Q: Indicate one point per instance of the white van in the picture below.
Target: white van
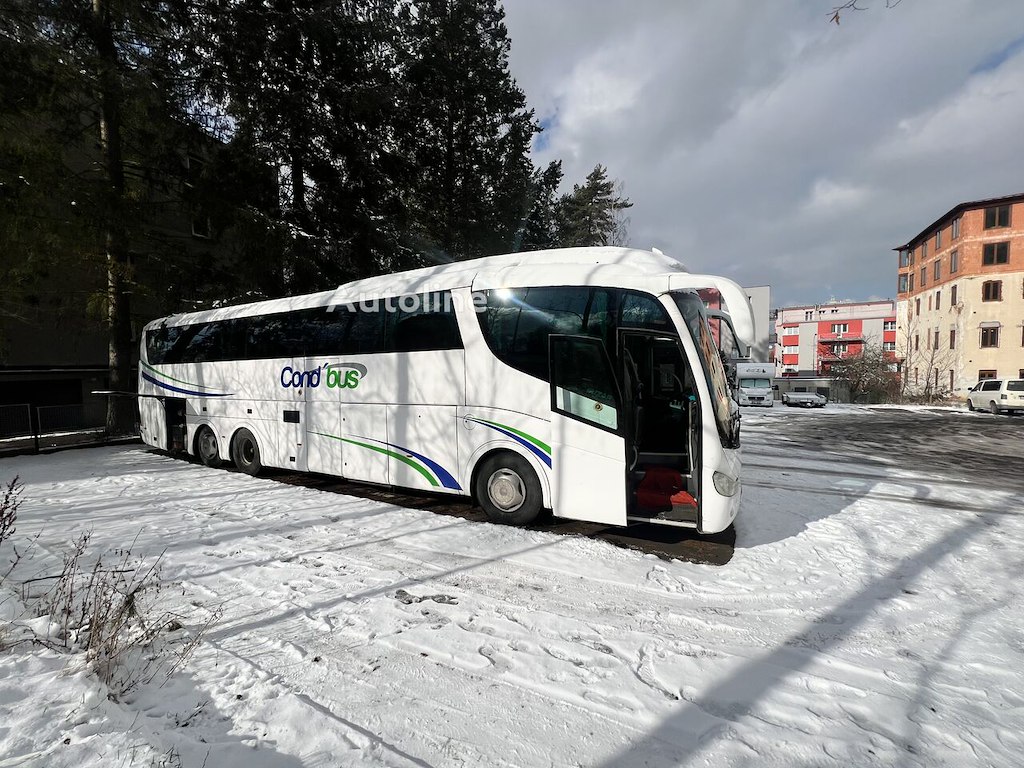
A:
(997, 395)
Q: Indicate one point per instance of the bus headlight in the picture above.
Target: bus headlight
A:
(725, 485)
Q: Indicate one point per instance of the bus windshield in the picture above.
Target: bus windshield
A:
(755, 383)
(691, 307)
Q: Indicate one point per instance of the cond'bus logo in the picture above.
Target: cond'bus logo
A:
(332, 375)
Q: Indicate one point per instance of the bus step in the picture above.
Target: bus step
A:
(661, 520)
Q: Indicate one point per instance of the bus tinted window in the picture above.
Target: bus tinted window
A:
(517, 323)
(640, 310)
(160, 342)
(364, 332)
(422, 322)
(325, 333)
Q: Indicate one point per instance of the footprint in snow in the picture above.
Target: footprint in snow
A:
(405, 598)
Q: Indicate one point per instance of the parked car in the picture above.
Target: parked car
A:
(804, 399)
(997, 395)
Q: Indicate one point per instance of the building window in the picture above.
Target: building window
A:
(840, 327)
(955, 233)
(938, 300)
(911, 282)
(992, 290)
(952, 296)
(997, 216)
(952, 338)
(935, 344)
(840, 349)
(995, 253)
(915, 377)
(904, 257)
(950, 381)
(954, 261)
(902, 288)
(936, 378)
(917, 344)
(911, 252)
(929, 303)
(808, 315)
(924, 250)
(986, 375)
(938, 269)
(889, 346)
(924, 276)
(889, 325)
(938, 239)
(989, 337)
(917, 306)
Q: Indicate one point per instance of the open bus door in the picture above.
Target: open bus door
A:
(587, 432)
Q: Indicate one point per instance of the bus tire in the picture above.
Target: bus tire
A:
(508, 489)
(245, 452)
(206, 447)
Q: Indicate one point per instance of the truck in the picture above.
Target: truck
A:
(754, 384)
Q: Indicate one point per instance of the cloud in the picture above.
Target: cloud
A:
(759, 141)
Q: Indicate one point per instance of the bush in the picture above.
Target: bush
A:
(112, 613)
(108, 609)
(9, 509)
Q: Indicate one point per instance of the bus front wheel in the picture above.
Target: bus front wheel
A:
(508, 489)
(206, 447)
(246, 453)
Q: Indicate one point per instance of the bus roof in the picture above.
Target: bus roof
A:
(605, 264)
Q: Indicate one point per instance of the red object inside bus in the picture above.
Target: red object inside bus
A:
(663, 488)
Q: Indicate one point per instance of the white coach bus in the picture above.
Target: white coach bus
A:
(585, 381)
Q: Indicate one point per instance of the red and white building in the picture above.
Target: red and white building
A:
(811, 338)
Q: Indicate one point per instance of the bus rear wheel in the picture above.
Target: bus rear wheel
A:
(508, 489)
(207, 448)
(245, 452)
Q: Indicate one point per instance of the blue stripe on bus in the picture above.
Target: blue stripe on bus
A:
(442, 474)
(526, 443)
(172, 388)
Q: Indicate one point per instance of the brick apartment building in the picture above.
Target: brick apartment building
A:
(960, 297)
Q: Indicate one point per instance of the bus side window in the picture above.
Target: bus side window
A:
(423, 322)
(640, 310)
(327, 331)
(364, 334)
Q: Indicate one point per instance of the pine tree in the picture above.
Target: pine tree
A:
(591, 213)
(96, 75)
(314, 88)
(471, 131)
(540, 229)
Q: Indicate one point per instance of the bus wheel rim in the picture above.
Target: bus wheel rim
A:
(207, 445)
(506, 490)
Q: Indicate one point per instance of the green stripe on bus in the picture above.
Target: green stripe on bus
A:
(405, 459)
(170, 378)
(539, 443)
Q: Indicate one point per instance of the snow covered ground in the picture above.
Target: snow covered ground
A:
(871, 615)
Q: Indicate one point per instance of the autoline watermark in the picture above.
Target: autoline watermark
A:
(430, 300)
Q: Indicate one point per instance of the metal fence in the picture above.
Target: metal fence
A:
(15, 420)
(46, 426)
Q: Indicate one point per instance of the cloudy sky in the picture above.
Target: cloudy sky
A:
(759, 141)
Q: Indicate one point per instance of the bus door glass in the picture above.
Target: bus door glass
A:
(660, 403)
(587, 430)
